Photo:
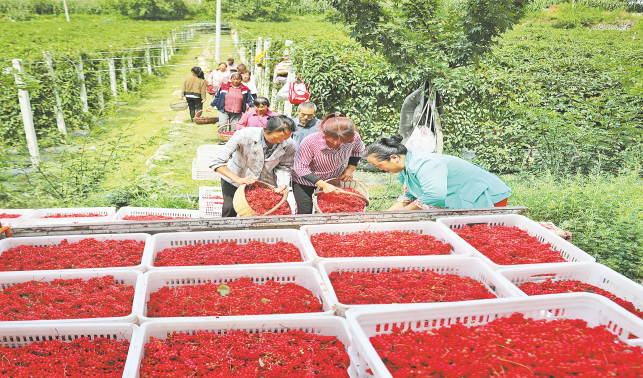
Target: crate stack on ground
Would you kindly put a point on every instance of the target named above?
(210, 201)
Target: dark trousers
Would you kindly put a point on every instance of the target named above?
(303, 197)
(228, 191)
(195, 105)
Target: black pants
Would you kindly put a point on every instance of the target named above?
(303, 197)
(195, 105)
(228, 191)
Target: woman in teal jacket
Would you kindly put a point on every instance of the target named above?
(433, 180)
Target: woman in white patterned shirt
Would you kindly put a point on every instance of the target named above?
(332, 152)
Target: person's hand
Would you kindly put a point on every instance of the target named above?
(281, 189)
(208, 109)
(202, 101)
(180, 97)
(329, 188)
(348, 174)
(246, 180)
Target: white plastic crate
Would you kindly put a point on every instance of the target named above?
(134, 211)
(44, 241)
(126, 277)
(16, 336)
(567, 250)
(36, 217)
(589, 273)
(202, 171)
(458, 246)
(207, 150)
(459, 265)
(305, 276)
(210, 207)
(594, 309)
(178, 239)
(161, 329)
(11, 221)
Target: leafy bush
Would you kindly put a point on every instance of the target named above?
(603, 212)
(263, 11)
(154, 9)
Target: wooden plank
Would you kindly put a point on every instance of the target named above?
(247, 223)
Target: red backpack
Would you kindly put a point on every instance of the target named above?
(298, 92)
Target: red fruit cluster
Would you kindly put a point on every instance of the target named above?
(66, 299)
(229, 253)
(214, 197)
(262, 200)
(83, 357)
(74, 215)
(411, 286)
(292, 354)
(85, 254)
(377, 244)
(150, 217)
(9, 216)
(340, 202)
(508, 245)
(557, 287)
(238, 297)
(509, 347)
(226, 132)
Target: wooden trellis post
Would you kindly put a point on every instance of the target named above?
(290, 79)
(58, 109)
(130, 66)
(101, 99)
(112, 77)
(83, 88)
(27, 116)
(257, 52)
(124, 74)
(147, 61)
(266, 74)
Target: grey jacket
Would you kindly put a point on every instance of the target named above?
(243, 155)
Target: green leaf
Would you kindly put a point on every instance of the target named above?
(261, 363)
(223, 290)
(264, 300)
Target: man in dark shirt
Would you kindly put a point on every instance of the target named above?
(306, 121)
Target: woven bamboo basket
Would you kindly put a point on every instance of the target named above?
(204, 120)
(224, 138)
(352, 184)
(180, 105)
(242, 207)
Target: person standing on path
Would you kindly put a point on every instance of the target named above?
(219, 76)
(323, 156)
(231, 100)
(194, 91)
(232, 68)
(305, 121)
(253, 154)
(257, 117)
(245, 75)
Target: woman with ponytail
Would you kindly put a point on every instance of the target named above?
(324, 155)
(194, 87)
(436, 181)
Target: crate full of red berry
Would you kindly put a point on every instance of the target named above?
(366, 283)
(53, 254)
(220, 292)
(547, 336)
(244, 248)
(145, 214)
(289, 346)
(505, 241)
(13, 216)
(386, 239)
(70, 216)
(76, 297)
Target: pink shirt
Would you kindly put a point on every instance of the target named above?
(252, 119)
(233, 100)
(216, 78)
(314, 156)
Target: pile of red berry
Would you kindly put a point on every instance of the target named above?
(229, 253)
(411, 286)
(262, 200)
(557, 287)
(226, 132)
(83, 357)
(85, 254)
(66, 299)
(58, 215)
(294, 354)
(508, 245)
(150, 217)
(340, 202)
(238, 297)
(377, 244)
(514, 346)
(9, 216)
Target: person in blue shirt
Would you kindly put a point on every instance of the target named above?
(436, 181)
(306, 121)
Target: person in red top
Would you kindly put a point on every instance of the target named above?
(324, 155)
(257, 117)
(231, 100)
